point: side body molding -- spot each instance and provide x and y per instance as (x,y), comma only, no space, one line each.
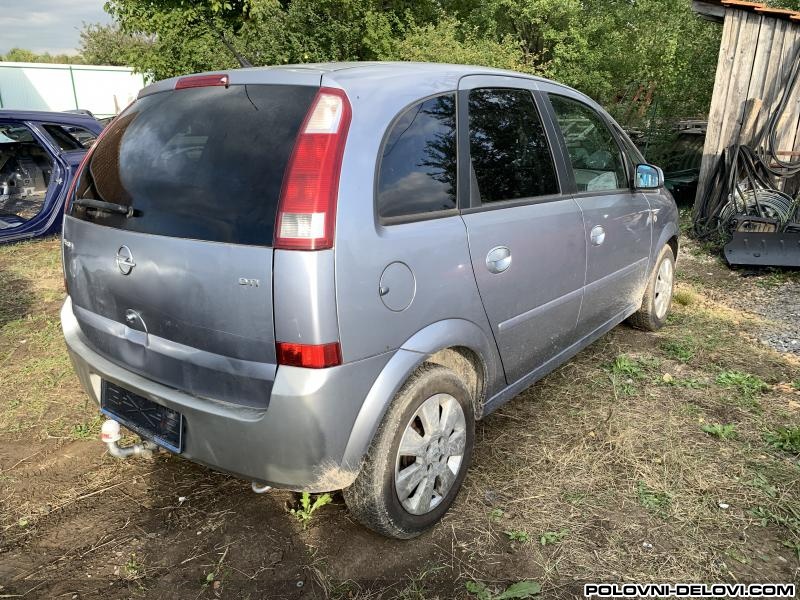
(428,341)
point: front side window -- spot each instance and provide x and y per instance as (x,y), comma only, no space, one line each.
(418,168)
(510,155)
(595,156)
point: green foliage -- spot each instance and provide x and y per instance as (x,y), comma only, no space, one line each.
(21,55)
(748,385)
(553,537)
(307,508)
(657,502)
(518,535)
(721,431)
(626,366)
(682,350)
(516,591)
(649,61)
(446,41)
(109,45)
(785,438)
(793,546)
(684,297)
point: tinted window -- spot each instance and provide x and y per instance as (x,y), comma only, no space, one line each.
(594,153)
(204,163)
(418,167)
(70,137)
(510,155)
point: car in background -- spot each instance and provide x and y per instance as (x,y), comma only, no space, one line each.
(39,154)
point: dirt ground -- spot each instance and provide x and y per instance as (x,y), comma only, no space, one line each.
(649,458)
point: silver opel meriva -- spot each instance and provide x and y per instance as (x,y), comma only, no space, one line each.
(318,277)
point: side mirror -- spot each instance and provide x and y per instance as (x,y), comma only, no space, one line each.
(649,177)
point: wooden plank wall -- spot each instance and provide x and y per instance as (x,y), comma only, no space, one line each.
(754,61)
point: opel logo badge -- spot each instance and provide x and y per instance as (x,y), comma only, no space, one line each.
(125,262)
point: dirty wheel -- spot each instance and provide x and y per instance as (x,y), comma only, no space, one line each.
(419,457)
(658,297)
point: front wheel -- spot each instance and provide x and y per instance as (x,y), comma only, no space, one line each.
(419,457)
(657,300)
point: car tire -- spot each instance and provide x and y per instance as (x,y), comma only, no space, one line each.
(432,392)
(657,300)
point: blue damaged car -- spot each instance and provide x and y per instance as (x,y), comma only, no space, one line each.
(39,154)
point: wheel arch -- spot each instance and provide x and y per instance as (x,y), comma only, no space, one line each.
(454,343)
(669,235)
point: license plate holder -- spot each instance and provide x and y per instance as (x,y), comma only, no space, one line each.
(148,419)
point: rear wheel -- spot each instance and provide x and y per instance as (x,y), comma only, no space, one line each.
(419,457)
(657,300)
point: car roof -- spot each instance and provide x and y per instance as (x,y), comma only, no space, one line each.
(420,75)
(367,69)
(50,116)
(389,86)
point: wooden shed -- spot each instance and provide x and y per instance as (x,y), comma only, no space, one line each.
(759,47)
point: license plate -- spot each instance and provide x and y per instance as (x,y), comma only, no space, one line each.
(151,421)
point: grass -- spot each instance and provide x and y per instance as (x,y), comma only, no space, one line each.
(784,438)
(722,432)
(746,384)
(717,430)
(518,535)
(656,502)
(628,448)
(519,590)
(307,508)
(681,350)
(553,537)
(684,297)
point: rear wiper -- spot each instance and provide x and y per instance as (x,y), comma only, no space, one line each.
(105,206)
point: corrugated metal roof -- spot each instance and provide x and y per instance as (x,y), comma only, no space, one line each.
(758,7)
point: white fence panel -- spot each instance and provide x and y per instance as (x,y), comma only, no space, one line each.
(103,90)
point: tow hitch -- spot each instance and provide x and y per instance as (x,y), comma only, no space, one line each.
(110,435)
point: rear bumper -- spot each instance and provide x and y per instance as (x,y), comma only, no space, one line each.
(298,442)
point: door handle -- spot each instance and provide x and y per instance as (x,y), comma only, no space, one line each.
(598,235)
(498,260)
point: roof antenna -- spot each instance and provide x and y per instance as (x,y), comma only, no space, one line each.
(243,62)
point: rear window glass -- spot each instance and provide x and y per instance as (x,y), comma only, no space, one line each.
(201,163)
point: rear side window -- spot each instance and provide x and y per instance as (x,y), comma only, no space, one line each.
(418,168)
(595,156)
(511,158)
(201,163)
(70,137)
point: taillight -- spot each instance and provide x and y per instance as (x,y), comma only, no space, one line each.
(195,81)
(307,208)
(308,356)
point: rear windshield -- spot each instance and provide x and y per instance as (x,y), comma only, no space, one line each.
(201,163)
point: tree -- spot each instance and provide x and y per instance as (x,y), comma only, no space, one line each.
(649,61)
(109,45)
(21,55)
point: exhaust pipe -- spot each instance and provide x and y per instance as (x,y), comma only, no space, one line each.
(110,435)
